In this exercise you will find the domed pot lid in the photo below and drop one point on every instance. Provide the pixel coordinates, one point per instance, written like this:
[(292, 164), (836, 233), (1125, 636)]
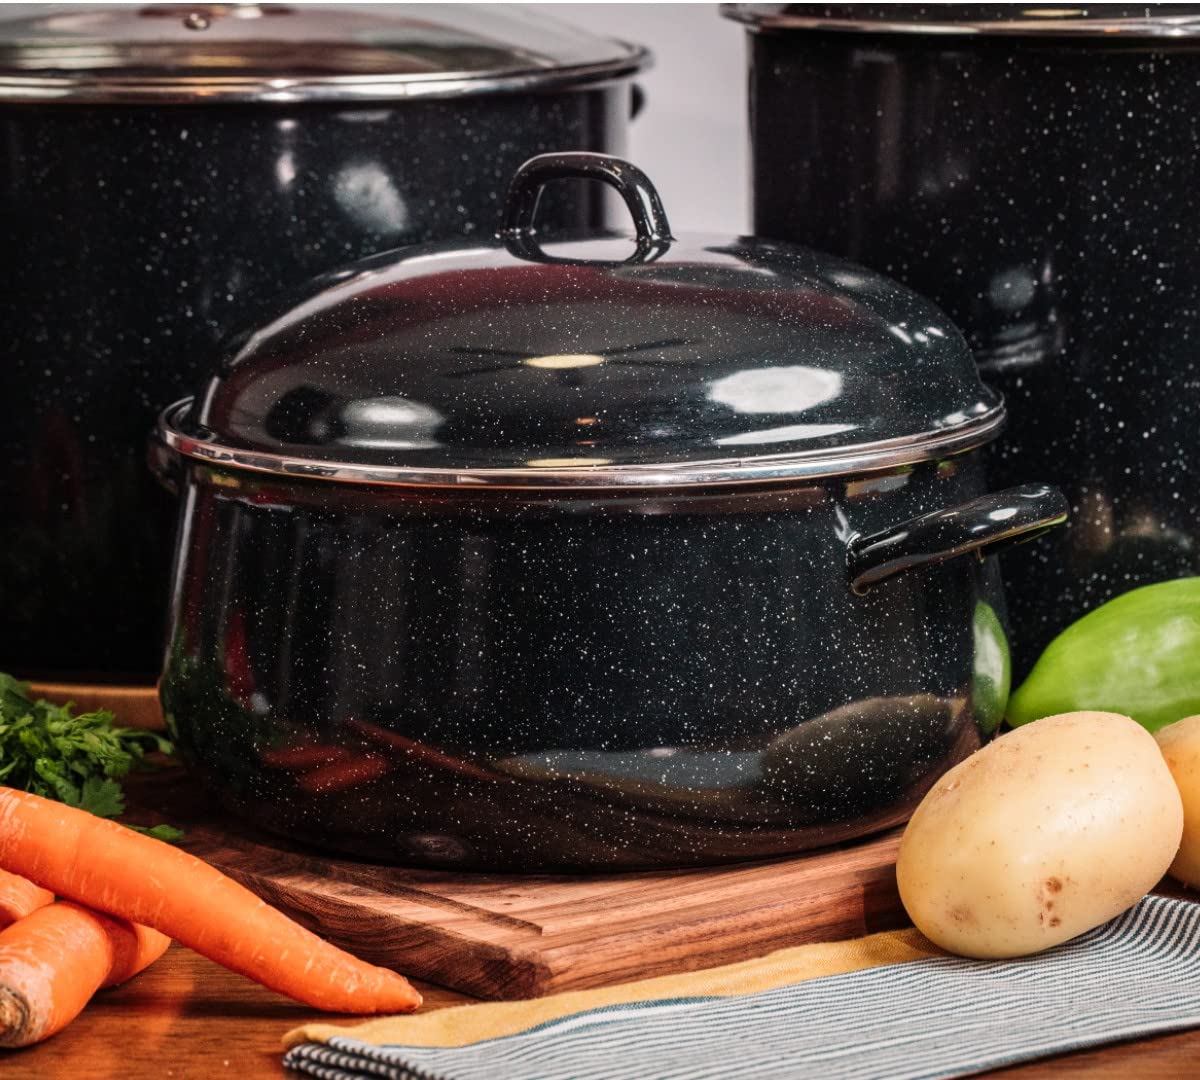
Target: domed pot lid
[(596, 359), (209, 53)]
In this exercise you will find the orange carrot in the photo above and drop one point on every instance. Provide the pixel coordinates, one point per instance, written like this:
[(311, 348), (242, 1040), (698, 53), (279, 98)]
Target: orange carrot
[(54, 960), (342, 775), (418, 752), (303, 756), (114, 869), (19, 898)]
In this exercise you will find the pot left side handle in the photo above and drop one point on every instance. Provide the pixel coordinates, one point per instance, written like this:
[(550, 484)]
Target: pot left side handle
[(163, 463), (979, 528)]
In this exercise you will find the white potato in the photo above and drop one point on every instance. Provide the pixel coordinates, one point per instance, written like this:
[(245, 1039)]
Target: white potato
[(1180, 746), (1047, 832)]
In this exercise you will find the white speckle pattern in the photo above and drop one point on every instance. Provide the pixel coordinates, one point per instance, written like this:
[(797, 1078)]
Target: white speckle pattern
[(136, 239), (505, 677), (1040, 190), (570, 683)]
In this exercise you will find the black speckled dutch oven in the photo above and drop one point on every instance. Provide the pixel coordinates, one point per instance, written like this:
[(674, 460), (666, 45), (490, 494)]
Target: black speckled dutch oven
[(1033, 170), (588, 550), (165, 172)]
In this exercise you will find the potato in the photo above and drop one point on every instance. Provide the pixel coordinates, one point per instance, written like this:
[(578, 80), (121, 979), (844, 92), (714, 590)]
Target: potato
[(1047, 832), (1180, 746)]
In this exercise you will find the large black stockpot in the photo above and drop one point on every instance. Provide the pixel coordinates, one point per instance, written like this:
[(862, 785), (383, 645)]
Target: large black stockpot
[(1033, 170), (588, 550), (165, 172)]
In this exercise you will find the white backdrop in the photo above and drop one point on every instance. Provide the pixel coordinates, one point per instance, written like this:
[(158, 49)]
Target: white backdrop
[(692, 137)]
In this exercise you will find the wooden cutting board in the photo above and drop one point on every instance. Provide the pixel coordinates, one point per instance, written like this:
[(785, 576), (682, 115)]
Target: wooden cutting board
[(505, 936), (133, 706)]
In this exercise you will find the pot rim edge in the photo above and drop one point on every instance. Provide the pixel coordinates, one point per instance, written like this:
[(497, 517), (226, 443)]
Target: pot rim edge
[(805, 465)]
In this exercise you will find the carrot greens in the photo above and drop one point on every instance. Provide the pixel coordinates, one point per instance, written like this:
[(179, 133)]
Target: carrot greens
[(77, 760)]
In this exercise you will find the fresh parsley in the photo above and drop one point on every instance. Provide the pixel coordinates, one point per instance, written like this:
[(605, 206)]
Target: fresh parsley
[(78, 760)]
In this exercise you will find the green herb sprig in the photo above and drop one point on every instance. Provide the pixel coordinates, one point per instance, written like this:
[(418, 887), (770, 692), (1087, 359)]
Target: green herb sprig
[(78, 760)]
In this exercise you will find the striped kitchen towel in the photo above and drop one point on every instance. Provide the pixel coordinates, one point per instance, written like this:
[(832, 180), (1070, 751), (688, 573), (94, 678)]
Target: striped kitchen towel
[(896, 1009)]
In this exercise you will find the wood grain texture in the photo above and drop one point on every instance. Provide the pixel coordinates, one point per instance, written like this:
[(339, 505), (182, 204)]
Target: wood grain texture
[(133, 706), (184, 1018), (187, 1019), (513, 936), (505, 936)]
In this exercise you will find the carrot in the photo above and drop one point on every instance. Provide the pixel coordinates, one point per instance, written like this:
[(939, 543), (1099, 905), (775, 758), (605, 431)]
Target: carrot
[(418, 752), (19, 898), (303, 756), (54, 960), (114, 869), (342, 775)]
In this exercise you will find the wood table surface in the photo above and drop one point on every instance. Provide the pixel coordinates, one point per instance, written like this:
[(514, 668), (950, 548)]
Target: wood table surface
[(187, 1018)]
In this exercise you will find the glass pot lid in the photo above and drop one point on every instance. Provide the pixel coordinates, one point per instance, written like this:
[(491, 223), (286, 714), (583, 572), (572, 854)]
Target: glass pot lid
[(204, 53), (592, 359)]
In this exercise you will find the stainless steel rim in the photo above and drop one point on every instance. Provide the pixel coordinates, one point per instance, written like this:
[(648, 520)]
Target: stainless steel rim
[(93, 90), (1155, 27), (868, 457)]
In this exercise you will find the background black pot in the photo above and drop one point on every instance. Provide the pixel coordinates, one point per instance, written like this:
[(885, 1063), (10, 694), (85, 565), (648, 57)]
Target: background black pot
[(1035, 174), (165, 174), (581, 552)]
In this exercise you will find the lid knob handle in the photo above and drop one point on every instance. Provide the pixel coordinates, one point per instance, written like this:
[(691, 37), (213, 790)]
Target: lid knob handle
[(633, 185)]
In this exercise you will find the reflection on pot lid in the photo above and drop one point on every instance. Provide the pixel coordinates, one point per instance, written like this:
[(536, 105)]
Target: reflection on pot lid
[(280, 52), (1043, 20), (594, 358)]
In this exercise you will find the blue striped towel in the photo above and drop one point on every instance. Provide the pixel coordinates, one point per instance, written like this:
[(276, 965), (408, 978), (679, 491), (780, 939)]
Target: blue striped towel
[(1137, 975)]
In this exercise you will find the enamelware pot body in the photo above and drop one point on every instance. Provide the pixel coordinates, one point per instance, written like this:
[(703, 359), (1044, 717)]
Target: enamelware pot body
[(589, 550), (139, 234), (544, 681), (1039, 186)]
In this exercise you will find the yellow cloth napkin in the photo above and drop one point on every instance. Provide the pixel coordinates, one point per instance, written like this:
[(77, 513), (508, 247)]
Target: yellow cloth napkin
[(466, 1024)]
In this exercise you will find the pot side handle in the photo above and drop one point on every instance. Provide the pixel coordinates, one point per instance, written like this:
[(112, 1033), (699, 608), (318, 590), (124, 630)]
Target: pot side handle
[(162, 463), (637, 100), (980, 527)]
